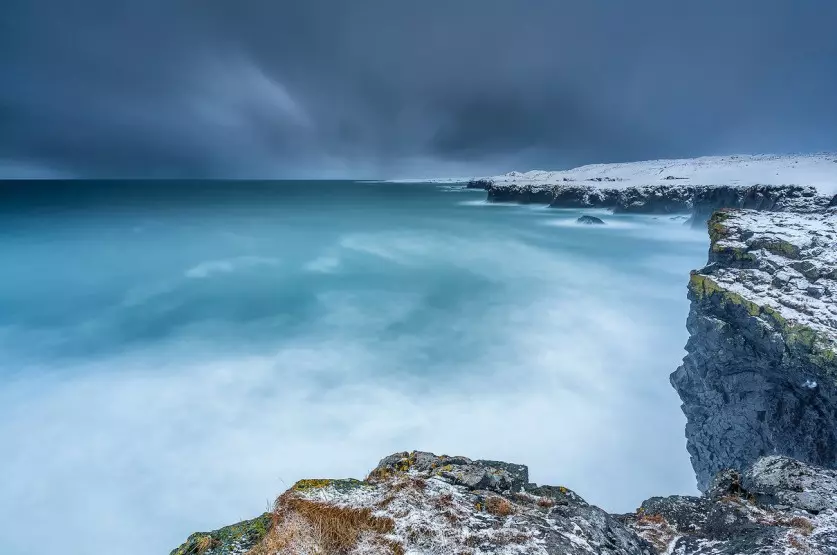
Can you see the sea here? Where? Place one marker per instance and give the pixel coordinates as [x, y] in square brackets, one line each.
[175, 354]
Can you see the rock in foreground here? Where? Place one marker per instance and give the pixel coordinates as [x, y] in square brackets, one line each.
[590, 220]
[420, 503]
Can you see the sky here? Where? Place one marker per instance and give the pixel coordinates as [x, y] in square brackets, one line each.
[379, 89]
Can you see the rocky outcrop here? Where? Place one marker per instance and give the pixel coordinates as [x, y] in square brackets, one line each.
[760, 374]
[589, 220]
[236, 539]
[482, 183]
[698, 200]
[776, 506]
[421, 503]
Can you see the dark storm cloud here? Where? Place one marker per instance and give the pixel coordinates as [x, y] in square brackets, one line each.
[382, 88]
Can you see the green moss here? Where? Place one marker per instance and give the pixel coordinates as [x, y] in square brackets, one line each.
[405, 464]
[781, 248]
[717, 229]
[800, 338]
[340, 485]
[739, 254]
[704, 286]
[238, 537]
[304, 485]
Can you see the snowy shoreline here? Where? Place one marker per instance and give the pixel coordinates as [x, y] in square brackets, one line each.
[817, 170]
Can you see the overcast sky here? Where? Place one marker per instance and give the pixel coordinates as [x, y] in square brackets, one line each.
[381, 88]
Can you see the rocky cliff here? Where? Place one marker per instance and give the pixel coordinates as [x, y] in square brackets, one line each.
[760, 376]
[420, 503]
[699, 200]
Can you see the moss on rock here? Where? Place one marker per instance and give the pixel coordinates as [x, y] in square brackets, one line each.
[238, 537]
[342, 485]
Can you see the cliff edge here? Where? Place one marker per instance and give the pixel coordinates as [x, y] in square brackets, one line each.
[420, 503]
[760, 376]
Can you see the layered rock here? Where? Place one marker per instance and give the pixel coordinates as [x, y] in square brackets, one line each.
[699, 200]
[760, 374]
[417, 503]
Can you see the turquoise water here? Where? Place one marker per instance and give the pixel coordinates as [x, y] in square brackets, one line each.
[175, 354]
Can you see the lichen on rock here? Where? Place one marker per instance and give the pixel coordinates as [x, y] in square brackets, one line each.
[760, 375]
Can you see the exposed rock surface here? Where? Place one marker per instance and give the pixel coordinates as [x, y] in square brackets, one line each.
[778, 505]
[699, 200]
[590, 220]
[236, 539]
[483, 183]
[760, 376]
[420, 503]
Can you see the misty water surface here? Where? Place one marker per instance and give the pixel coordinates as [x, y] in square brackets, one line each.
[174, 355]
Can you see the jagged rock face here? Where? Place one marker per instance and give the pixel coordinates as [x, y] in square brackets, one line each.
[778, 505]
[524, 194]
[655, 199]
[784, 198]
[482, 183]
[418, 503]
[699, 200]
[760, 374]
[583, 196]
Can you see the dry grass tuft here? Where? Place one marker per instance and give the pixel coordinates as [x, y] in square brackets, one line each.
[413, 482]
[294, 536]
[204, 543]
[498, 506]
[802, 524]
[651, 519]
[546, 503]
[338, 528]
[304, 526]
[798, 545]
[443, 501]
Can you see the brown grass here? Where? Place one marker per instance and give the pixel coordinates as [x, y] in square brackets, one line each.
[291, 537]
[804, 525]
[302, 524]
[797, 544]
[443, 501]
[651, 519]
[204, 543]
[339, 528]
[498, 506]
[545, 502]
[413, 483]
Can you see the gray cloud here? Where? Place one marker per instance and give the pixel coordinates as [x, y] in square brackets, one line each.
[378, 88]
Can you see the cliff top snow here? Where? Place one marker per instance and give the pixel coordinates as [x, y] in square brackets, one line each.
[783, 263]
[819, 170]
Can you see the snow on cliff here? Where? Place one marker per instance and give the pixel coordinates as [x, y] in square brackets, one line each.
[819, 170]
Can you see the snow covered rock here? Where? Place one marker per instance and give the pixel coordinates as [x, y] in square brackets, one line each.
[817, 170]
[419, 503]
[760, 374]
[697, 186]
[778, 506]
